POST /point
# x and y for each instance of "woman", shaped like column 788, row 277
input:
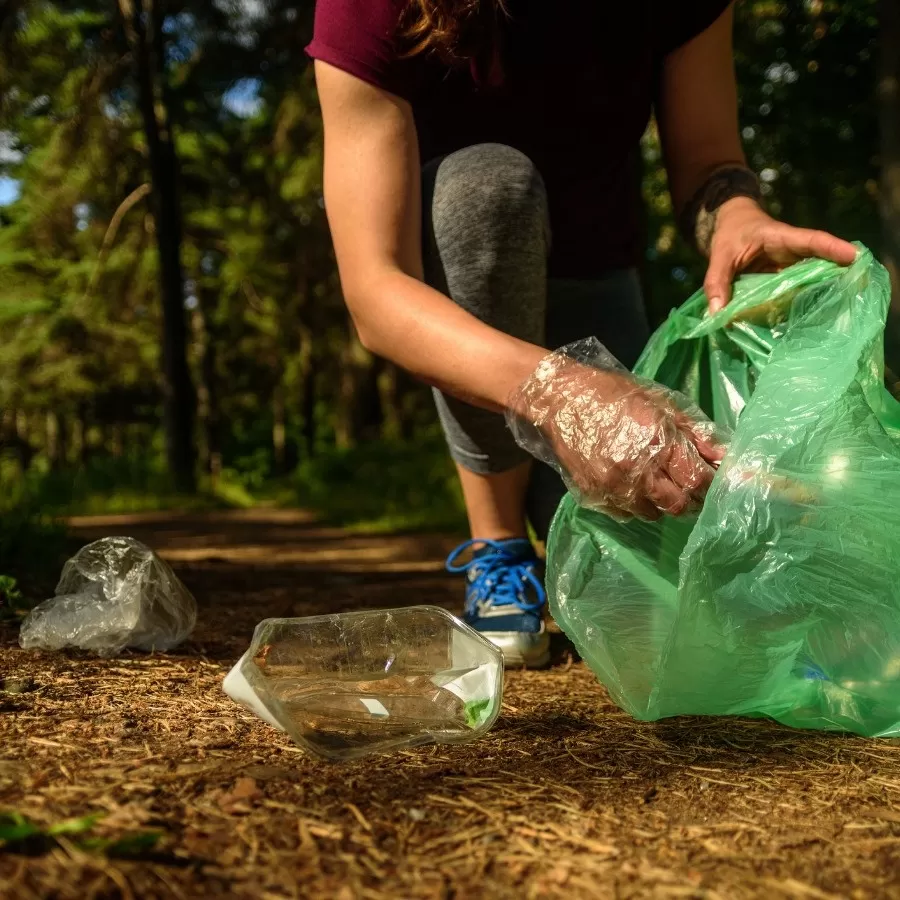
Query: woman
column 482, row 188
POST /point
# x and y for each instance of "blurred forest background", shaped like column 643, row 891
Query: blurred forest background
column 171, row 324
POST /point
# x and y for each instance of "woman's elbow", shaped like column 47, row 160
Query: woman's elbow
column 368, row 337
column 366, row 324
column 371, row 316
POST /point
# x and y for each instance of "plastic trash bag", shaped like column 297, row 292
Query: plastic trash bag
column 113, row 594
column 782, row 598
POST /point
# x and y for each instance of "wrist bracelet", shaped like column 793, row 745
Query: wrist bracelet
column 698, row 220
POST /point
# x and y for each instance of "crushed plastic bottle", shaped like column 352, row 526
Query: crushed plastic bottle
column 114, row 593
column 348, row 685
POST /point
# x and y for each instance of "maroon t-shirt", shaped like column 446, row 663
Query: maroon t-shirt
column 578, row 84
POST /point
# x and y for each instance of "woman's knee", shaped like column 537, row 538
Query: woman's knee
column 489, row 192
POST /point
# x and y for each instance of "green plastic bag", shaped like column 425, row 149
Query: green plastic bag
column 782, row 598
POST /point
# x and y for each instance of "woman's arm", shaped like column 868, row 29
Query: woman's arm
column 372, row 197
column 624, row 447
column 697, row 117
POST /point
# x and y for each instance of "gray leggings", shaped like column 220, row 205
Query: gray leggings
column 486, row 240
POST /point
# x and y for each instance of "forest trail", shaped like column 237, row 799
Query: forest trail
column 566, row 798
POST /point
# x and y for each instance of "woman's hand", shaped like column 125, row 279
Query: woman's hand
column 746, row 239
column 697, row 114
column 630, row 451
column 624, row 446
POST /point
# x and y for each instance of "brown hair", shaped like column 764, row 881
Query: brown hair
column 454, row 30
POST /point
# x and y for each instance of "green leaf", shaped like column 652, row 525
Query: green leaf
column 128, row 846
column 9, row 312
column 75, row 826
column 15, row 827
column 477, row 711
column 9, row 591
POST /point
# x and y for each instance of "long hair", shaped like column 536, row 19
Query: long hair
column 455, row 31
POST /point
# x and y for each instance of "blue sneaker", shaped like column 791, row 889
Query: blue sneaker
column 505, row 598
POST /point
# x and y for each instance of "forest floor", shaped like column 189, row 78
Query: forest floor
column 566, row 797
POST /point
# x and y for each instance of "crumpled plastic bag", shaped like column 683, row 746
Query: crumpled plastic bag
column 114, row 593
column 782, row 598
column 624, row 445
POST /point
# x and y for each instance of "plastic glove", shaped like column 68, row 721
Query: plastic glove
column 623, row 445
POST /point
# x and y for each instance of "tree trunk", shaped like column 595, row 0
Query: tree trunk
column 143, row 22
column 889, row 195
column 391, row 402
column 78, row 444
column 368, row 412
column 207, row 394
column 343, row 411
column 411, row 396
column 279, row 428
column 22, row 430
column 14, row 437
column 117, row 440
column 399, row 403
column 359, row 414
column 55, row 443
column 308, row 395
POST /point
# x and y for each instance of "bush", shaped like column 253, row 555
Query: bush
column 384, row 486
column 31, row 549
column 105, row 485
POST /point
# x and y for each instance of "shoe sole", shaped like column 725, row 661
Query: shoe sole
column 521, row 649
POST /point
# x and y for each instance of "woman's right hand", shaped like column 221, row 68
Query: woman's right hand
column 624, row 446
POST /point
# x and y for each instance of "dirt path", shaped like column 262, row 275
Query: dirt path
column 566, row 798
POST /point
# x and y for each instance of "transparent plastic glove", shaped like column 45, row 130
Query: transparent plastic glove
column 624, row 446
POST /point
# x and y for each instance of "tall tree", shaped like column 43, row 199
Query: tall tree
column 169, row 155
column 889, row 117
column 142, row 21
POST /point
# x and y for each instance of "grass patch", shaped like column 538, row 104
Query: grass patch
column 383, row 486
column 379, row 487
column 109, row 486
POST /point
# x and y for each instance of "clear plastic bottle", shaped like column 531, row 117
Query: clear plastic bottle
column 347, row 685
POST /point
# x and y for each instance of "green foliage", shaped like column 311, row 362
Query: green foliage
column 282, row 383
column 384, row 486
column 19, row 834
column 10, row 597
column 112, row 486
column 30, row 544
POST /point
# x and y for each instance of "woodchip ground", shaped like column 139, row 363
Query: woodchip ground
column 566, row 798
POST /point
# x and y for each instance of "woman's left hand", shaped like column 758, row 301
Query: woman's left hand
column 748, row 239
